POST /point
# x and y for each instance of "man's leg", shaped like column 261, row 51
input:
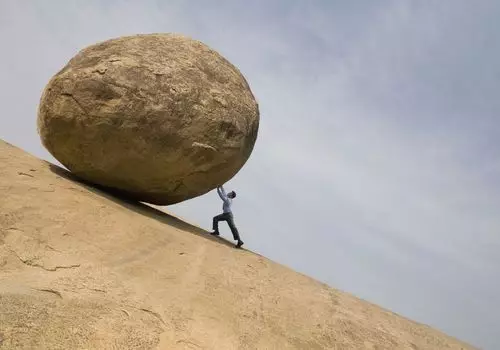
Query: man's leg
column 234, row 230
column 215, row 223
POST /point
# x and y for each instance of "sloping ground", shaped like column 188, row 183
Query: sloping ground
column 80, row 269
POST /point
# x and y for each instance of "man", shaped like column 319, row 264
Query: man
column 227, row 215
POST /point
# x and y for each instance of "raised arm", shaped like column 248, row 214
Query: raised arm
column 222, row 192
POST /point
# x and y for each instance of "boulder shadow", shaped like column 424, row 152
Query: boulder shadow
column 139, row 207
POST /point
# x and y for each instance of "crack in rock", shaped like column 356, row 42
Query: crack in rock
column 125, row 312
column 24, row 174
column 151, row 312
column 67, row 94
column 98, row 290
column 31, row 263
column 155, row 314
column 185, row 341
column 52, row 291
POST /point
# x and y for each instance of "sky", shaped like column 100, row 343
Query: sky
column 377, row 165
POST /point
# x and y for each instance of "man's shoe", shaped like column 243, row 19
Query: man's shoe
column 214, row 233
column 239, row 244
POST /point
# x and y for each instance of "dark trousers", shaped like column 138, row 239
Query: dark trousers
column 227, row 217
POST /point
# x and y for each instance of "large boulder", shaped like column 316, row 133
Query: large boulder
column 161, row 118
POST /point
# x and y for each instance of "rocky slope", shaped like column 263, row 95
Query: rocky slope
column 81, row 269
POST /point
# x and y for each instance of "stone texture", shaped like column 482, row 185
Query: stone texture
column 80, row 269
column 160, row 117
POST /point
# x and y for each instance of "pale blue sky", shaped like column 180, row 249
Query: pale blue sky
column 377, row 168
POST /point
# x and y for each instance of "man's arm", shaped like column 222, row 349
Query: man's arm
column 221, row 192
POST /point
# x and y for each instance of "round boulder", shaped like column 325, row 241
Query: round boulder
column 160, row 118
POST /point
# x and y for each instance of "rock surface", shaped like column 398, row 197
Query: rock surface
column 80, row 269
column 160, row 117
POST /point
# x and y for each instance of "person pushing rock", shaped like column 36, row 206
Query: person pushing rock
column 227, row 215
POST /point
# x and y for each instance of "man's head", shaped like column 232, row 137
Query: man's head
column 231, row 194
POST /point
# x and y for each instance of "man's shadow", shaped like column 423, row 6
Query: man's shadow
column 138, row 207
